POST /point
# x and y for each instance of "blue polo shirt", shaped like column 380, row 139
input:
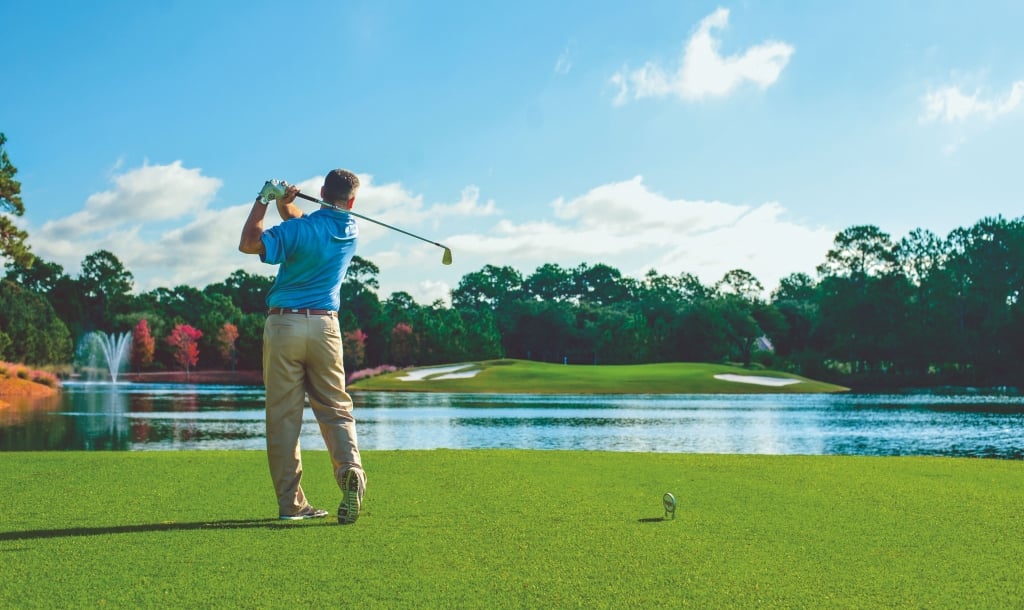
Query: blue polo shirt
column 313, row 252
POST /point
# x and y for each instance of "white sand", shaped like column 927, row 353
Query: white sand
column 772, row 381
column 461, row 375
column 441, row 372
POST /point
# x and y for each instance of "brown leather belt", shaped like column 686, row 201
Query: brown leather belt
column 301, row 310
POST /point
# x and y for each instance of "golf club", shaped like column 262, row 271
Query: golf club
column 275, row 188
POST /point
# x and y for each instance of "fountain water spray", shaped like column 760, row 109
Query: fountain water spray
column 115, row 349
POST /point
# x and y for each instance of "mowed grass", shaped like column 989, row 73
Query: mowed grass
column 514, row 529
column 512, row 376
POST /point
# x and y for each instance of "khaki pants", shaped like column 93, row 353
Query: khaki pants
column 302, row 357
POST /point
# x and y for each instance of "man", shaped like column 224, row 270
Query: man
column 302, row 341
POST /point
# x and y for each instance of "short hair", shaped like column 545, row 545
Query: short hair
column 340, row 185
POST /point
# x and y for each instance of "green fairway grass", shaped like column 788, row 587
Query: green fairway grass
column 518, row 376
column 513, row 529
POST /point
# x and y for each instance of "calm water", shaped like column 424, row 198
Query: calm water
column 167, row 417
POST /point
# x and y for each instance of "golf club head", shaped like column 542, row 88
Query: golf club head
column 272, row 190
column 446, row 258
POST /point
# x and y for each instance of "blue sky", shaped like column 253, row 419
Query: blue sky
column 681, row 136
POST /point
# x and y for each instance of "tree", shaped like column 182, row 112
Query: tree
column 863, row 298
column 353, row 346
column 249, row 349
column 41, row 277
column 248, row 292
column 661, row 300
column 540, row 331
column 796, row 299
column 403, row 345
column 549, row 282
column 741, row 283
column 143, row 346
column 362, row 271
column 859, row 251
column 611, row 335
column 400, row 307
column 483, row 341
column 440, row 335
column 12, row 239
column 218, row 310
column 599, row 285
column 184, row 340
column 490, row 287
column 986, row 274
column 107, row 287
column 227, row 337
column 63, row 292
column 361, row 309
column 34, row 334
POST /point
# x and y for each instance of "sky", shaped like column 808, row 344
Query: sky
column 684, row 137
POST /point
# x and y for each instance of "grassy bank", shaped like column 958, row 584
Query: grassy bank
column 512, row 376
column 523, row 529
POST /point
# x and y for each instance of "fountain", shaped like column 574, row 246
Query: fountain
column 114, row 347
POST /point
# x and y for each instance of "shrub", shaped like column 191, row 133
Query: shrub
column 44, row 378
column 367, row 373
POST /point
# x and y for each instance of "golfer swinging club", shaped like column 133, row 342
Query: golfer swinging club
column 302, row 341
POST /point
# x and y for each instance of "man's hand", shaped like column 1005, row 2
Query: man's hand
column 272, row 189
column 286, row 207
column 290, row 193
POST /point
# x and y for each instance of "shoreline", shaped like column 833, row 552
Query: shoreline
column 218, row 377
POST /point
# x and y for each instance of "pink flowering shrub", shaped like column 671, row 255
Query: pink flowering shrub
column 20, row 371
column 367, row 373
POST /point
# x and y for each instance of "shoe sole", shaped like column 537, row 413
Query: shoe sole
column 317, row 515
column 350, row 506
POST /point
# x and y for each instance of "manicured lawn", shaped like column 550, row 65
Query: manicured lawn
column 523, row 529
column 512, row 376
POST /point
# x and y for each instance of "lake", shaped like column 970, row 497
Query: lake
column 126, row 416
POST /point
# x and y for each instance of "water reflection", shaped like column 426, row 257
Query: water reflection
column 167, row 417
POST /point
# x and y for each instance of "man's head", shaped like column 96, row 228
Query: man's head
column 340, row 187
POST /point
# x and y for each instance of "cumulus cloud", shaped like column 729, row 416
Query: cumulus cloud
column 630, row 227
column 147, row 194
column 951, row 105
column 467, row 205
column 158, row 221
column 703, row 72
column 623, row 224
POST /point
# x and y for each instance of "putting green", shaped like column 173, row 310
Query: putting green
column 525, row 376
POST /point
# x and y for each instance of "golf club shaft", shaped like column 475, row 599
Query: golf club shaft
column 357, row 215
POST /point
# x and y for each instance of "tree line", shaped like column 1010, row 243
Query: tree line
column 921, row 310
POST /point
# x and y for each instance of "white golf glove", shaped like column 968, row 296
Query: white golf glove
column 272, row 190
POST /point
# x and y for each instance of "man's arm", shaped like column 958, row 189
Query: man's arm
column 252, row 232
column 285, row 207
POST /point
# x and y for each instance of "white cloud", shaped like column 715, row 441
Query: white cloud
column 629, row 227
column 703, row 72
column 951, row 105
column 157, row 221
column 467, row 205
column 622, row 224
column 144, row 195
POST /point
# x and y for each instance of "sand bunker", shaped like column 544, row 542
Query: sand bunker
column 441, row 372
column 772, row 381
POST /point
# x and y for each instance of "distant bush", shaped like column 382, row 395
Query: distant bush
column 367, row 373
column 47, row 379
column 10, row 370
